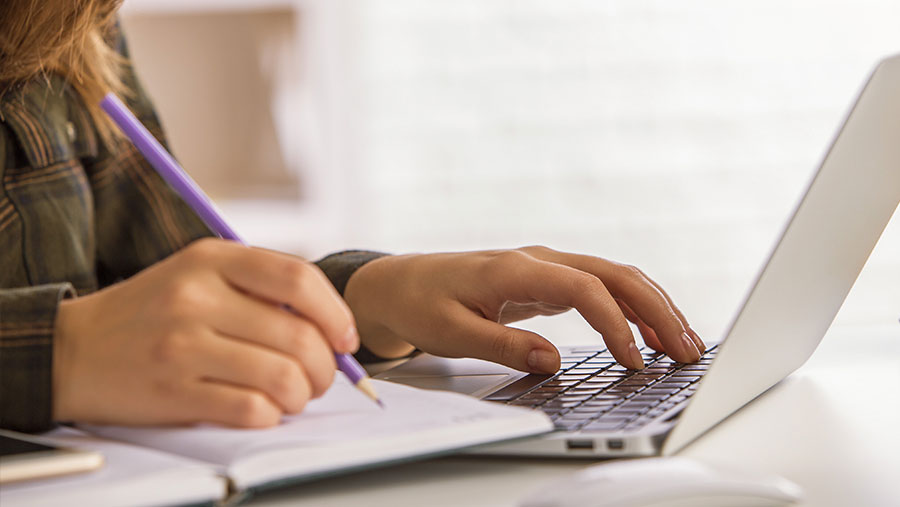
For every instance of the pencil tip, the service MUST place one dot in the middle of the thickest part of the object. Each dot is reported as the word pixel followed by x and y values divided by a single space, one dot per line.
pixel 364 386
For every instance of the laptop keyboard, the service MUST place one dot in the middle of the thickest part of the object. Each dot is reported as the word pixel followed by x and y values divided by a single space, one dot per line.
pixel 592 392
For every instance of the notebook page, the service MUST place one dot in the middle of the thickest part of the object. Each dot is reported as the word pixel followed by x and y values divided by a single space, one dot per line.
pixel 413 419
pixel 131 475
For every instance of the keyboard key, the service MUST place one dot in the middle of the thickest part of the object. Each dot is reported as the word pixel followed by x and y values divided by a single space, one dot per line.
pixel 692 374
pixel 578 392
pixel 624 411
pixel 578 415
pixel 649 375
pixel 573 397
pixel 584 368
pixel 622 387
pixel 599 382
pixel 549 389
pixel 557 403
pixel 661 389
pixel 606 395
pixel 559 383
pixel 654 370
pixel 678 398
pixel 649 397
pixel 596 406
pixel 600 362
pixel 621 394
pixel 594 412
pixel 638 403
pixel 552 410
pixel 578 353
pixel 672 383
pixel 609 375
pixel 599 405
pixel 538 395
pixel 568 425
pixel 612 371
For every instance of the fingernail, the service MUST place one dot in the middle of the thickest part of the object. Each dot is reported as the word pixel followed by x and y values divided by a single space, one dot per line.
pixel 542 361
pixel 350 341
pixel 697 341
pixel 690 349
pixel 637 362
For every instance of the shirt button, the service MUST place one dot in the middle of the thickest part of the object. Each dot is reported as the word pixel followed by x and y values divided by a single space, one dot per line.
pixel 70 131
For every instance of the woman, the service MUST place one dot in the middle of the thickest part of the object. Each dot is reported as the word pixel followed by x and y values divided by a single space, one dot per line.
pixel 117 307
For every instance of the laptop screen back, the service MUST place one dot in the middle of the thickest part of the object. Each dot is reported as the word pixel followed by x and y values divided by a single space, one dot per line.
pixel 815 263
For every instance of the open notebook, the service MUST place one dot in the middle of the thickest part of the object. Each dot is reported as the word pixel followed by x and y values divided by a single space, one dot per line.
pixel 341 432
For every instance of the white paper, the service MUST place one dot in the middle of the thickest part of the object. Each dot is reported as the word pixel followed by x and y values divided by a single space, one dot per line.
pixel 131 476
pixel 342 415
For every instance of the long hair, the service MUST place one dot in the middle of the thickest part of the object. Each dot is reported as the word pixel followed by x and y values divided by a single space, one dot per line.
pixel 66 37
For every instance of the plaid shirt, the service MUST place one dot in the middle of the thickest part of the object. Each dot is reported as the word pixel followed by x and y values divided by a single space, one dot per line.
pixel 76 216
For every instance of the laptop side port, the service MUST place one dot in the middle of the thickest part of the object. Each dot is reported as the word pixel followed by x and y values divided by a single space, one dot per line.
pixel 615 444
pixel 580 445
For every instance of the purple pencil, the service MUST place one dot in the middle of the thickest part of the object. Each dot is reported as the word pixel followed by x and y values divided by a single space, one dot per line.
pixel 172 172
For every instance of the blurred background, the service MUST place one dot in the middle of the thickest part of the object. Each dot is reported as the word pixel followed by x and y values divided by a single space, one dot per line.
pixel 676 136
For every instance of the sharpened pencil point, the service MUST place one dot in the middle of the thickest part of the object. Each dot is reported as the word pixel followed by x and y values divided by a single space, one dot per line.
pixel 364 386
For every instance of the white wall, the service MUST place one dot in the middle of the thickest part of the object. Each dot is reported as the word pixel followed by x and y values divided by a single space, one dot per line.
pixel 673 135
pixel 676 136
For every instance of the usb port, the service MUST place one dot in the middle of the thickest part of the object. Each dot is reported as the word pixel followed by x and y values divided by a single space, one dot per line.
pixel 615 444
pixel 580 445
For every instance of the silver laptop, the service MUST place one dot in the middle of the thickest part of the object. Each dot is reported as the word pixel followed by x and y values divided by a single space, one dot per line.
pixel 603 409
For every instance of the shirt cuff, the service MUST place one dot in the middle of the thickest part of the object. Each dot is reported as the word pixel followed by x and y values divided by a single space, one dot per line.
pixel 339 267
pixel 27 319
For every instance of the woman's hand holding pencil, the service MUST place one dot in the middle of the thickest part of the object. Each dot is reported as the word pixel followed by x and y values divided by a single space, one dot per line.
pixel 201 337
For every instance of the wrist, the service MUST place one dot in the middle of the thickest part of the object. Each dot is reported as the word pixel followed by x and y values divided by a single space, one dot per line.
pixel 70 318
pixel 61 362
pixel 365 294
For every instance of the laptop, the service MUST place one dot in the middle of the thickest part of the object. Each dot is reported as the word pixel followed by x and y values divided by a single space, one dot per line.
pixel 602 409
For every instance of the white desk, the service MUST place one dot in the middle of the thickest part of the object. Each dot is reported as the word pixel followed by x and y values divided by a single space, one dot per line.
pixel 838 441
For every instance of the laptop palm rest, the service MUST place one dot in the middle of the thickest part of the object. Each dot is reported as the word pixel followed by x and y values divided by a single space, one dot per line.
pixel 474 377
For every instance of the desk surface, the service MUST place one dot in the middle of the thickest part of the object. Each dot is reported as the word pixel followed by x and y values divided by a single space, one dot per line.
pixel 820 428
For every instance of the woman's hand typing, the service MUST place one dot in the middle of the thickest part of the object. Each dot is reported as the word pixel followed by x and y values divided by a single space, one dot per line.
pixel 457 304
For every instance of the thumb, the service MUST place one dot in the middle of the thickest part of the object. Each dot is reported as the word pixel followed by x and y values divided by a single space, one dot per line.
pixel 517 348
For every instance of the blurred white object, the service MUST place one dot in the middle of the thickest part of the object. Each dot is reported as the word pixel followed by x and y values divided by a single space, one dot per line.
pixel 664 482
pixel 669 135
